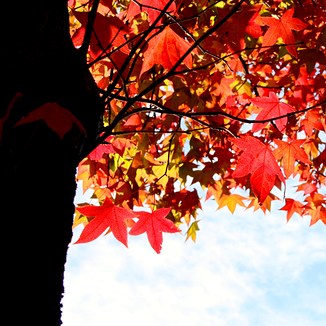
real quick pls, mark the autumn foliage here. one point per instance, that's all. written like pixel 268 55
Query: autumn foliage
pixel 220 100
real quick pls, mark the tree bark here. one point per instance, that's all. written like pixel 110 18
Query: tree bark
pixel 40 64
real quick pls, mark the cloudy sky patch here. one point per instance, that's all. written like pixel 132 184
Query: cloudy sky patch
pixel 245 269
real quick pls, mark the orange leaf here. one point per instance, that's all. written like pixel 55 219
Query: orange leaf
pixel 289 152
pixel 134 121
pixel 231 201
pixel 106 216
pixel 316 208
pixel 55 116
pixel 313 120
pixel 154 224
pixel 318 214
pixel 166 49
pixel 282 28
pixel 307 188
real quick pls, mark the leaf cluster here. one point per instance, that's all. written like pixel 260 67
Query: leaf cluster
pixel 220 100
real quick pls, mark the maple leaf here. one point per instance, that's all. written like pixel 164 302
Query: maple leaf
pixel 109 31
pixel 185 201
pixel 100 150
pixel 321 159
pixel 272 108
pixel 231 201
pixel 154 224
pixel 105 216
pixel 55 116
pixel 214 190
pixel 134 121
pixel 111 145
pixel 153 9
pixel 241 23
pixel 312 121
pixel 192 231
pixel 292 206
pixel 265 206
pixel 290 152
pixel 307 188
pixel 258 160
pixel 166 49
pixel 318 214
pixel 222 87
pixel 316 208
pixel 282 28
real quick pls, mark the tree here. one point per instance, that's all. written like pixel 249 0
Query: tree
pixel 149 101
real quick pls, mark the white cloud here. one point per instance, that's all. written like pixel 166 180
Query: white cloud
pixel 245 269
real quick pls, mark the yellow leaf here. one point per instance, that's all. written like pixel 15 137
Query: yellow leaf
pixel 192 231
pixel 159 170
pixel 79 219
pixel 231 201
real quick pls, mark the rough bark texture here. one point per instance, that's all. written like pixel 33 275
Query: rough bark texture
pixel 38 168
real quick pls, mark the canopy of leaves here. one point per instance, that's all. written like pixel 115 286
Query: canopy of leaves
pixel 203 99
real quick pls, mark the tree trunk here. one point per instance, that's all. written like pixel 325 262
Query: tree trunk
pixel 39 65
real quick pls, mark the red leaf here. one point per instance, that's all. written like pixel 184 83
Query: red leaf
pixel 258 160
pixel 241 23
pixel 100 150
pixel 55 116
pixel 134 121
pixel 272 108
pixel 113 146
pixel 109 31
pixel 153 8
pixel 292 206
pixel 282 28
pixel 154 224
pixel 166 49
pixel 106 216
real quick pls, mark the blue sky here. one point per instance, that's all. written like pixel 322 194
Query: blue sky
pixel 245 269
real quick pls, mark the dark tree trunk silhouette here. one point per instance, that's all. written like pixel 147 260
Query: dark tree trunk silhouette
pixel 40 64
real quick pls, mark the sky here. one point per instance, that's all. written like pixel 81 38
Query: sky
pixel 244 269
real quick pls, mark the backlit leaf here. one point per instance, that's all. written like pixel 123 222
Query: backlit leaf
pixel 166 49
pixel 257 160
pixel 282 28
pixel 290 152
pixel 292 206
pixel 192 231
pixel 272 108
pixel 105 216
pixel 154 224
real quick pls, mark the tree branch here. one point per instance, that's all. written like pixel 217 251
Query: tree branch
pixel 89 29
